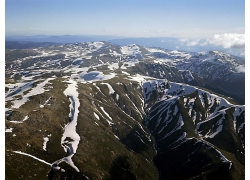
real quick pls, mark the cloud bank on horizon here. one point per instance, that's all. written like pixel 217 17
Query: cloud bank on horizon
pixel 228 40
pixel 231 43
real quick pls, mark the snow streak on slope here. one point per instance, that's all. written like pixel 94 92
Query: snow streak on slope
pixel 110 123
pixel 70 138
pixel 178 126
pixel 239 110
pixel 97 117
pixel 191 123
pixel 19 152
pixel 111 90
pixel 207 111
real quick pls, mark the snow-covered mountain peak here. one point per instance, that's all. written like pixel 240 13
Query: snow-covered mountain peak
pixel 131 49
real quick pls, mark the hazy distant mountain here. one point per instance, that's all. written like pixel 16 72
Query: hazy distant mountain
pixel 170 43
pixel 59 39
pixel 26 44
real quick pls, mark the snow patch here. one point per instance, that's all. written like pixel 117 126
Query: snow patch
pixel 106 113
pixel 131 49
pixel 19 152
pixel 39 89
pixel 124 72
pixel 46 139
pixel 9 130
pixel 111 90
pixel 70 146
pixel 96 76
pixel 97 117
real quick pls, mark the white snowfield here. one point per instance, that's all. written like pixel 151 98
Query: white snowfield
pixel 113 66
pixel 140 78
pixel 76 54
pixel 18 89
pixel 152 50
pixel 39 89
pixel 68 160
pixel 131 49
pixel 70 145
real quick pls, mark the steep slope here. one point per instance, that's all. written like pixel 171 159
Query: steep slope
pixel 197 134
pixel 219 68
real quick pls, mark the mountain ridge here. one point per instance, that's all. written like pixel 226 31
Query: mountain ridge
pixel 170 131
pixel 113 93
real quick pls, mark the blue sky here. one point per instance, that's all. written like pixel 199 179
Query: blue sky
pixel 137 18
pixel 197 24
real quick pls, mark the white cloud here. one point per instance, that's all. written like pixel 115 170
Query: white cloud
pixel 193 43
pixel 240 68
pixel 184 40
pixel 189 42
pixel 227 40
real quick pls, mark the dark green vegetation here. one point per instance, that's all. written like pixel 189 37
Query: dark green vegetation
pixel 99 140
pixel 99 151
pixel 42 122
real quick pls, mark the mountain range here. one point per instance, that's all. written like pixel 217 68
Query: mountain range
pixel 194 45
pixel 98 110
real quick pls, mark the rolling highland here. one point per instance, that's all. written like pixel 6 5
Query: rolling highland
pixel 97 110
